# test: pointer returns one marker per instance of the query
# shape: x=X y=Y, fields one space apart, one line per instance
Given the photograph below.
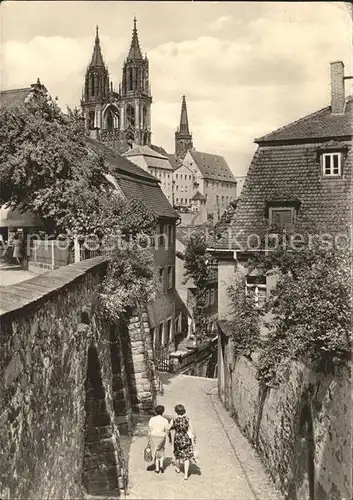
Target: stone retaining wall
x=199 y=362
x=302 y=429
x=69 y=385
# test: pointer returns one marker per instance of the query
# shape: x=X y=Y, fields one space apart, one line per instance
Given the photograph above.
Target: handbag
x=195 y=458
x=147 y=453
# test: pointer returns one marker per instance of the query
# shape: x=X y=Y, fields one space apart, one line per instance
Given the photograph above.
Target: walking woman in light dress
x=184 y=438
x=17 y=249
x=158 y=430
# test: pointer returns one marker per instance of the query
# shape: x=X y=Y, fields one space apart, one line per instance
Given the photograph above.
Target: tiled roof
x=123 y=165
x=318 y=125
x=14 y=97
x=174 y=161
x=159 y=150
x=134 y=181
x=198 y=196
x=150 y=193
x=144 y=151
x=212 y=166
x=291 y=171
x=152 y=158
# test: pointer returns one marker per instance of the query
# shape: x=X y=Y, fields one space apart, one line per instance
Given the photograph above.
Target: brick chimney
x=337 y=87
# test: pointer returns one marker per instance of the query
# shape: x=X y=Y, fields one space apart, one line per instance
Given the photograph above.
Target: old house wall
x=302 y=429
x=65 y=387
x=226 y=270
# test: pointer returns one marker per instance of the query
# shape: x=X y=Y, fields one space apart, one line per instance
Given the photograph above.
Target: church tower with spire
x=135 y=96
x=97 y=91
x=183 y=137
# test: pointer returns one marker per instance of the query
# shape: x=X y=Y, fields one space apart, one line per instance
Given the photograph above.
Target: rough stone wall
x=140 y=369
x=302 y=429
x=69 y=384
x=43 y=350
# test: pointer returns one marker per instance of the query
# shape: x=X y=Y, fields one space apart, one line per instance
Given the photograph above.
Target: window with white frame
x=331 y=164
x=255 y=288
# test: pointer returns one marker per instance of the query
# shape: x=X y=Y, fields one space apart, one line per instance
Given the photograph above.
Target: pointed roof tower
x=183 y=137
x=184 y=122
x=135 y=51
x=97 y=58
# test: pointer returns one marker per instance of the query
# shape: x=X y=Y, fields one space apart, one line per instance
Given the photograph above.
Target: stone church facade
x=119 y=119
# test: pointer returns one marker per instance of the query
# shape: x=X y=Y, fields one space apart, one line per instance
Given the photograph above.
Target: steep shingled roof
x=152 y=158
x=159 y=150
x=174 y=161
x=14 y=97
x=151 y=194
x=287 y=167
x=117 y=160
x=145 y=151
x=134 y=181
x=212 y=166
x=291 y=171
x=318 y=125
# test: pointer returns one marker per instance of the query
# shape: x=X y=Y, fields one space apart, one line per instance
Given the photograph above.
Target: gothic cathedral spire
x=183 y=138
x=135 y=51
x=96 y=89
x=122 y=119
x=136 y=96
x=97 y=58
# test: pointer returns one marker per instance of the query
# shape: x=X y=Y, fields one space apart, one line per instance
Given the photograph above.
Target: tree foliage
x=46 y=167
x=310 y=310
x=245 y=319
x=197 y=267
x=197 y=259
x=225 y=219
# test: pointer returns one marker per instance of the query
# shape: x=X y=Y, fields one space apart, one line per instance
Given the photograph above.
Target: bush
x=310 y=310
x=245 y=322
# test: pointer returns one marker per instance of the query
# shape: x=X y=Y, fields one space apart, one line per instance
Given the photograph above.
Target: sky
x=246 y=68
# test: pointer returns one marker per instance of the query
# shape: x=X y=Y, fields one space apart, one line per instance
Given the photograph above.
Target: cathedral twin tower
x=119 y=119
x=123 y=119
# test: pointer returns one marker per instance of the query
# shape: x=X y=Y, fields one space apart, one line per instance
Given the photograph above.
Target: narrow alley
x=229 y=467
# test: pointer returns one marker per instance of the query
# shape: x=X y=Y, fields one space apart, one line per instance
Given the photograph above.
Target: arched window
x=144 y=116
x=91 y=120
x=92 y=84
x=111 y=118
x=110 y=121
x=129 y=79
x=130 y=116
x=145 y=139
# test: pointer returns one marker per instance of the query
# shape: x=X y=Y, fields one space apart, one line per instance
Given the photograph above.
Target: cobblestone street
x=229 y=467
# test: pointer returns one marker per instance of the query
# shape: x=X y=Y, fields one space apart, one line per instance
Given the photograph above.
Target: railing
x=162 y=358
x=46 y=255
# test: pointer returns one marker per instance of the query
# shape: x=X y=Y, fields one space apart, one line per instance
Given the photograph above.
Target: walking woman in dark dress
x=184 y=438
